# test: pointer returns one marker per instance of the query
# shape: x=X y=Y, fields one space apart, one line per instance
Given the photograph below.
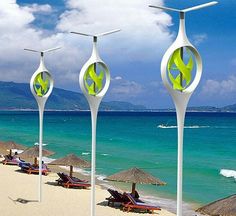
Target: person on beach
x=136 y=195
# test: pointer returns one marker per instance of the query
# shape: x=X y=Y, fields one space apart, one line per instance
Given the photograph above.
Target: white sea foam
x=104 y=154
x=228 y=173
x=85 y=153
x=17 y=150
x=78 y=170
x=174 y=126
x=82 y=171
x=44 y=144
x=101 y=178
x=47 y=160
x=170 y=205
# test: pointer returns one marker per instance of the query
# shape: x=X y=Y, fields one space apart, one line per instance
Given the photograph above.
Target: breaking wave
x=174 y=126
x=85 y=153
x=228 y=173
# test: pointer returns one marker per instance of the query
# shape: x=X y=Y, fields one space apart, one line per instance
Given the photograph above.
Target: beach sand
x=56 y=200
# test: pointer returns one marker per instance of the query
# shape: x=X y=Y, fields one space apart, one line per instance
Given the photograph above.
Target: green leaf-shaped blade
x=176 y=63
x=97 y=84
x=41 y=86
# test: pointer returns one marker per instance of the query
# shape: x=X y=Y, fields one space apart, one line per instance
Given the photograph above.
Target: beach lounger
x=11 y=161
x=132 y=204
x=116 y=197
x=69 y=182
x=63 y=179
x=24 y=166
x=31 y=169
x=36 y=171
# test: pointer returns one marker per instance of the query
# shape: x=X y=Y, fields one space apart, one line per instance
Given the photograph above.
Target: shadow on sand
x=22 y=201
x=119 y=206
x=104 y=203
x=52 y=183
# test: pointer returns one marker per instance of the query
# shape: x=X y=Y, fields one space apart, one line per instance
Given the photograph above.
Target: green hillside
x=18 y=96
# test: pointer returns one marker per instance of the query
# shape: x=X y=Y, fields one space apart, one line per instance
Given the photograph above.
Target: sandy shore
x=57 y=201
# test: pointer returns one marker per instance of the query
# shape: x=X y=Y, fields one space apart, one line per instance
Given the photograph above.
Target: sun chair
x=31 y=169
x=132 y=204
x=8 y=157
x=8 y=162
x=11 y=161
x=63 y=179
x=116 y=197
x=22 y=164
x=69 y=182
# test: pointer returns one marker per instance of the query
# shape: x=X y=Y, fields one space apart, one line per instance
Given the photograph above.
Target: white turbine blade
x=52 y=49
x=84 y=34
x=31 y=50
x=200 y=6
x=165 y=8
x=107 y=33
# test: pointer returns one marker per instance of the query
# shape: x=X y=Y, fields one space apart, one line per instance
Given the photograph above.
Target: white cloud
x=150 y=94
x=220 y=88
x=17 y=33
x=121 y=88
x=199 y=38
x=36 y=8
x=117 y=78
x=144 y=37
x=144 y=34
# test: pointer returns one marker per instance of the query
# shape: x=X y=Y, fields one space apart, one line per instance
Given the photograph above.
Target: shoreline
x=19 y=194
x=123 y=111
x=167 y=203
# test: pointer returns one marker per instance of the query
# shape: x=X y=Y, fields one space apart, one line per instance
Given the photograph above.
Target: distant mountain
x=204 y=109
x=17 y=96
x=229 y=108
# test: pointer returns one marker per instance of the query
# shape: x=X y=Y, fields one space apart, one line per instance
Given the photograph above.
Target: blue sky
x=133 y=55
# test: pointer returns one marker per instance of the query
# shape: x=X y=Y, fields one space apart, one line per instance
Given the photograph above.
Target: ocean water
x=145 y=140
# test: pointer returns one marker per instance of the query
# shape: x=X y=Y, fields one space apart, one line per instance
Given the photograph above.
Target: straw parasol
x=222 y=207
x=9 y=145
x=33 y=152
x=71 y=160
x=135 y=176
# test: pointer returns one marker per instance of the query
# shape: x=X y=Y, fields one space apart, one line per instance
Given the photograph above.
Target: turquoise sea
x=146 y=140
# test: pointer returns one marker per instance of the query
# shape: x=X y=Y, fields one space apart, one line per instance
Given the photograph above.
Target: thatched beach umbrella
x=222 y=207
x=33 y=152
x=71 y=160
x=9 y=145
x=3 y=150
x=135 y=176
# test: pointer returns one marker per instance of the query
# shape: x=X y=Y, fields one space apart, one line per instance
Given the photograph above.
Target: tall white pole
x=94 y=112
x=41 y=88
x=41 y=110
x=181 y=86
x=180 y=112
x=94 y=105
x=94 y=70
